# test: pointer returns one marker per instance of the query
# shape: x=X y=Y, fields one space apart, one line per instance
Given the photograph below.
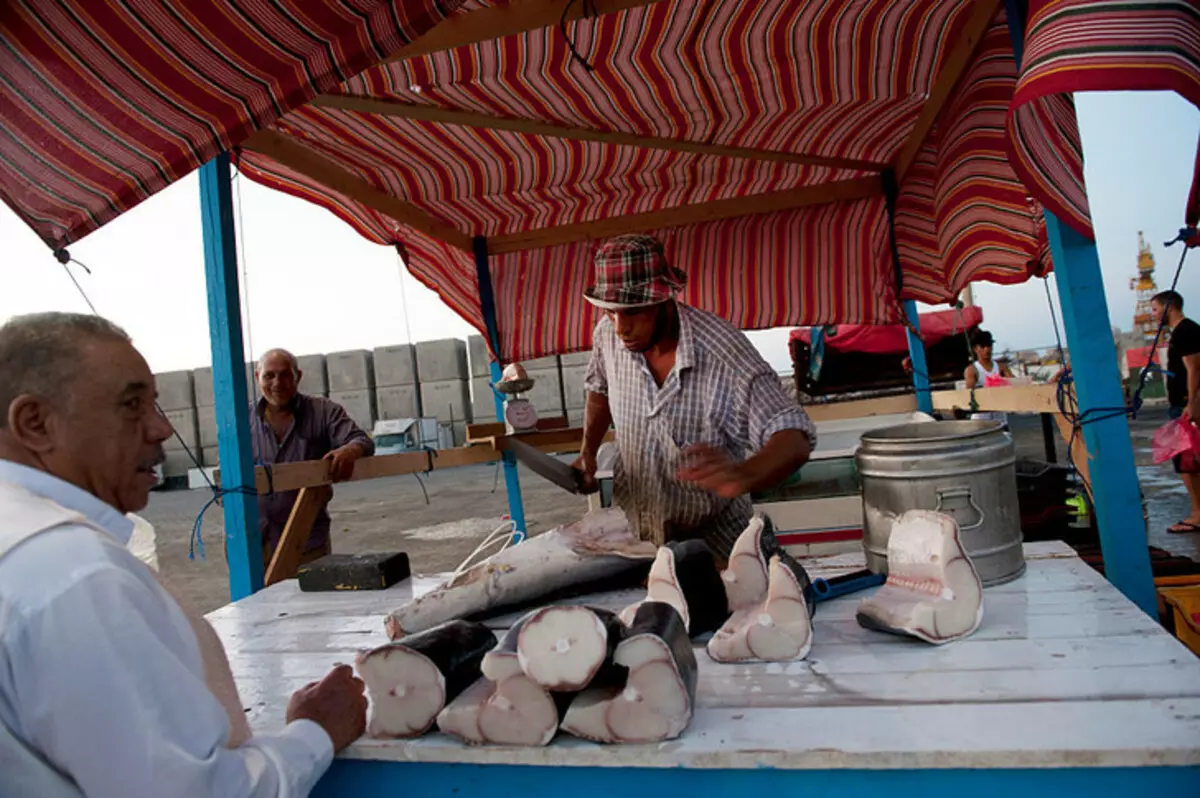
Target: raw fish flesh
x=746 y=575
x=598 y=552
x=656 y=700
x=408 y=683
x=776 y=629
x=566 y=648
x=685 y=575
x=932 y=591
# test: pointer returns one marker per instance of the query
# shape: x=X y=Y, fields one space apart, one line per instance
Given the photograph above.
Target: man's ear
x=31 y=423
x=299 y=376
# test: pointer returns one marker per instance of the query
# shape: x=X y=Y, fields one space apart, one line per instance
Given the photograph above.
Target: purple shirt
x=318 y=427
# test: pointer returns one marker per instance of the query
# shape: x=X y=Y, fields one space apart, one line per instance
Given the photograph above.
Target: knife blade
x=553 y=469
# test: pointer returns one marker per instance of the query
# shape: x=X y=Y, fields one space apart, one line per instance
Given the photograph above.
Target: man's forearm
x=778 y=459
x=597 y=418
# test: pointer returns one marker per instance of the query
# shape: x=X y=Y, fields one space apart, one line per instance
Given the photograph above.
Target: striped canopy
x=764 y=140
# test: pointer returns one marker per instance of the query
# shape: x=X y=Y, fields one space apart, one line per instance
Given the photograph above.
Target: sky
x=312 y=284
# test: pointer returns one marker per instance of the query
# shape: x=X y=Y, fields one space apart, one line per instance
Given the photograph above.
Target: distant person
x=1183 y=387
x=983 y=371
x=288 y=427
x=109 y=686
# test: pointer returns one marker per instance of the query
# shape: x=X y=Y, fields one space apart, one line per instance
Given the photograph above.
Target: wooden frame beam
x=312 y=164
x=861 y=188
x=509 y=19
x=425 y=113
x=956 y=64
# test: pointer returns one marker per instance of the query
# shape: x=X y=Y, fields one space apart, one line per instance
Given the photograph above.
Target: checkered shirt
x=721 y=392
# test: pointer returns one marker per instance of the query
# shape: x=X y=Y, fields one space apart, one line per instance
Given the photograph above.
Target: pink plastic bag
x=995 y=381
x=1178 y=436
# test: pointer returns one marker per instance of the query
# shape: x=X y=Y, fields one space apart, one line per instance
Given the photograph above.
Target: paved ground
x=466 y=504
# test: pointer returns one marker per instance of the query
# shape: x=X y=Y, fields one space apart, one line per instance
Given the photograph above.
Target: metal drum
x=962 y=468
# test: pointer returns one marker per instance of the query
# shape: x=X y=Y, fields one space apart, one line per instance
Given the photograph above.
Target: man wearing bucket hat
x=701 y=419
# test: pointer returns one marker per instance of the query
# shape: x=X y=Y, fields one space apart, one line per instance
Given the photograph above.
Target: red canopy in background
x=890 y=339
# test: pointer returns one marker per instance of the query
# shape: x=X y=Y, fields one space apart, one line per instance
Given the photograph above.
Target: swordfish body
x=598 y=552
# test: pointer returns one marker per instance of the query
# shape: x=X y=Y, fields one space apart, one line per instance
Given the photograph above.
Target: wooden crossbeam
x=312 y=164
x=506 y=19
x=861 y=188
x=425 y=113
x=286 y=559
x=955 y=65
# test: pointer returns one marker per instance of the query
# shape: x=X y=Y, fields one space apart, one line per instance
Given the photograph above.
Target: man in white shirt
x=108 y=687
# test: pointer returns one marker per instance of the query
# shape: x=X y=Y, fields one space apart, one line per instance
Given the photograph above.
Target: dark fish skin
x=663 y=621
x=610 y=673
x=867 y=622
x=769 y=546
x=633 y=576
x=456 y=648
x=700 y=582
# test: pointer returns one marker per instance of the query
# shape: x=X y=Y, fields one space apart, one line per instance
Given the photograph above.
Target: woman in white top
x=976 y=374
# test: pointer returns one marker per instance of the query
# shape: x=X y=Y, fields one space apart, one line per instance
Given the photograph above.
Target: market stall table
x=1066 y=687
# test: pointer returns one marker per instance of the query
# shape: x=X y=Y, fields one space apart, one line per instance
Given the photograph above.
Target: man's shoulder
x=51 y=563
x=716 y=338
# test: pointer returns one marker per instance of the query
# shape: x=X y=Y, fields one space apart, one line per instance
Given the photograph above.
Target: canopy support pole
x=916 y=355
x=487 y=305
x=1114 y=481
x=243 y=545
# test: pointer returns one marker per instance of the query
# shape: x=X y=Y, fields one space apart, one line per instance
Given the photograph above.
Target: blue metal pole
x=487 y=304
x=242 y=542
x=1115 y=490
x=916 y=353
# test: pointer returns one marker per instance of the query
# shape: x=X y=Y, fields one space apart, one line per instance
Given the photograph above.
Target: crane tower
x=1143 y=317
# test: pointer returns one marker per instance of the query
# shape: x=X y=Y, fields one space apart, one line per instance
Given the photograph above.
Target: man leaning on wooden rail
x=288 y=426
x=109 y=685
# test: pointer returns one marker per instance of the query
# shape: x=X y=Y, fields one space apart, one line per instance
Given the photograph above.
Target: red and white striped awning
x=752 y=135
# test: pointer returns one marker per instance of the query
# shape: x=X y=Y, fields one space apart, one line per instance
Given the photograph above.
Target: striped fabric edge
x=104 y=104
x=732 y=268
x=963 y=215
x=1083 y=45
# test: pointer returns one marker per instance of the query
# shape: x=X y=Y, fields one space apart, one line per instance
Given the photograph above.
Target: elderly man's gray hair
x=286 y=355
x=40 y=352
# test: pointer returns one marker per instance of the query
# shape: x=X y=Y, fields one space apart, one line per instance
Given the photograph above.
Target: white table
x=1066 y=688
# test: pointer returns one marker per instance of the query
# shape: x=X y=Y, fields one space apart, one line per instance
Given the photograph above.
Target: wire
x=511 y=537
x=404 y=300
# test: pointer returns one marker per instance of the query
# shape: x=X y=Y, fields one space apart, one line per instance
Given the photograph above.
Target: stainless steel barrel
x=962 y=468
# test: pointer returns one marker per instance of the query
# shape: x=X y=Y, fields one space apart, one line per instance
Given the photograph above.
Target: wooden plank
x=483 y=433
x=956 y=64
x=425 y=113
x=294 y=155
x=286 y=560
x=861 y=408
x=1073 y=437
x=310 y=473
x=1008 y=399
x=860 y=188
x=506 y=19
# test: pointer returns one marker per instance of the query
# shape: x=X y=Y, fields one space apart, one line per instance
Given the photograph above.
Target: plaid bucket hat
x=631 y=271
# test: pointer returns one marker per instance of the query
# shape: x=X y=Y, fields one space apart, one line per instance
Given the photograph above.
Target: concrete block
x=460 y=433
x=206 y=420
x=541 y=364
x=352 y=370
x=183 y=422
x=483 y=405
x=177 y=464
x=442 y=361
x=572 y=382
x=359 y=405
x=546 y=393
x=575 y=359
x=395 y=365
x=210 y=457
x=447 y=400
x=175 y=390
x=480 y=359
x=314 y=380
x=202 y=381
x=397 y=401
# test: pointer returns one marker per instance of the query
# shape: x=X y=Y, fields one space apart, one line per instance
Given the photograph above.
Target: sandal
x=1183 y=527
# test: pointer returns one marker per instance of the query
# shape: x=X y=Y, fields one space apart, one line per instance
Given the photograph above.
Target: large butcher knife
x=553 y=469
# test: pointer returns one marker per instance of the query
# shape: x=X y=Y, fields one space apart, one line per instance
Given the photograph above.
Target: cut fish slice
x=409 y=683
x=933 y=591
x=564 y=648
x=502 y=661
x=777 y=629
x=514 y=712
x=746 y=576
x=658 y=695
x=685 y=575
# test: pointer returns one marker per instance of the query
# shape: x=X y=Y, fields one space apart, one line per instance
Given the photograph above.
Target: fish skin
x=686 y=575
x=576 y=559
x=768 y=631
